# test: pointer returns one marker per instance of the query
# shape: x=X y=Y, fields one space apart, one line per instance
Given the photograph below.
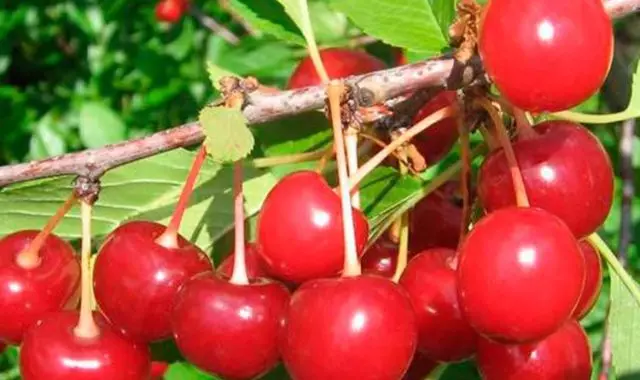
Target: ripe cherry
x=51 y=350
x=27 y=294
x=380 y=258
x=535 y=68
x=230 y=330
x=170 y=11
x=254 y=265
x=158 y=370
x=563 y=355
x=509 y=280
x=435 y=221
x=300 y=235
x=338 y=62
x=557 y=176
x=136 y=279
x=421 y=366
x=349 y=328
x=443 y=332
x=437 y=140
x=592 y=282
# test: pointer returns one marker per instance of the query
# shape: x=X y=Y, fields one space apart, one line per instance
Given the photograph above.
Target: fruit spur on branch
x=495 y=265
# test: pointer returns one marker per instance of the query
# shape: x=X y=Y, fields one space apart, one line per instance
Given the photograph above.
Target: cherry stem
x=169 y=238
x=351 y=263
x=489 y=138
x=239 y=275
x=30 y=257
x=525 y=130
x=402 y=224
x=616 y=265
x=464 y=177
x=377 y=159
x=86 y=327
x=516 y=175
x=351 y=144
x=382 y=144
x=403 y=247
x=266 y=162
x=328 y=153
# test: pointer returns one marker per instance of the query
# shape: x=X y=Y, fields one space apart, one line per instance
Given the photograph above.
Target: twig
x=213 y=25
x=261 y=107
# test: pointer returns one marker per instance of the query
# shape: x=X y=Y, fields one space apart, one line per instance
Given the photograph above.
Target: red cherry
x=592 y=282
x=230 y=330
x=136 y=279
x=443 y=332
x=170 y=11
x=380 y=259
x=300 y=235
x=158 y=370
x=557 y=175
x=254 y=264
x=338 y=62
x=535 y=67
x=28 y=294
x=437 y=140
x=520 y=274
x=563 y=355
x=435 y=221
x=421 y=366
x=3 y=346
x=349 y=328
x=51 y=350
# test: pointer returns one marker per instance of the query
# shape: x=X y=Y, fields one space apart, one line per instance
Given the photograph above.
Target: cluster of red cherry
x=171 y=11
x=510 y=293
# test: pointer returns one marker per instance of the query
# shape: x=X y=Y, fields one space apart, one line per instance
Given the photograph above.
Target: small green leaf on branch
x=227 y=136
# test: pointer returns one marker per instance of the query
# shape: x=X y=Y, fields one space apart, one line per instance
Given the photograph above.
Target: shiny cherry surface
x=421 y=366
x=437 y=140
x=566 y=171
x=253 y=263
x=563 y=355
x=520 y=274
x=52 y=351
x=28 y=294
x=592 y=281
x=136 y=279
x=230 y=330
x=535 y=67
x=300 y=234
x=170 y=11
x=380 y=258
x=338 y=62
x=443 y=332
x=158 y=370
x=435 y=220
x=349 y=328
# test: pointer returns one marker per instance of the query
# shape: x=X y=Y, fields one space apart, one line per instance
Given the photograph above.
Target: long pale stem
x=403 y=247
x=465 y=177
x=266 y=162
x=351 y=262
x=239 y=275
x=351 y=143
x=377 y=159
x=615 y=265
x=30 y=257
x=516 y=175
x=86 y=327
x=169 y=237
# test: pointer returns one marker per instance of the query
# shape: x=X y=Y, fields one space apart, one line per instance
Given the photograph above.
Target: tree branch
x=372 y=88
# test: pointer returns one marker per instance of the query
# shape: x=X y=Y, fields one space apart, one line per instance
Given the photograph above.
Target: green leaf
x=216 y=73
x=410 y=24
x=269 y=17
x=185 y=371
x=624 y=321
x=146 y=189
x=445 y=12
x=227 y=136
x=100 y=125
x=46 y=141
x=298 y=10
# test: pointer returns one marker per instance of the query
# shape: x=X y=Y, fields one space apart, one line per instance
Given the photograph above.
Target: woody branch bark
x=265 y=106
